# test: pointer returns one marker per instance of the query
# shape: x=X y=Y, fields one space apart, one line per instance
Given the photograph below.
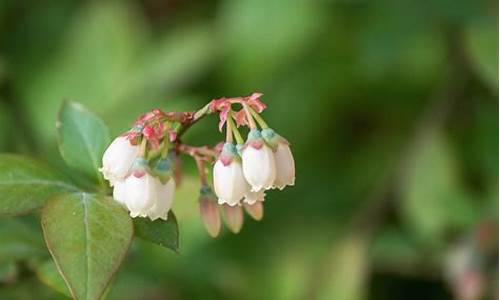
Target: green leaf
x=346 y=270
x=48 y=274
x=83 y=137
x=160 y=232
x=433 y=198
x=19 y=240
x=481 y=42
x=25 y=184
x=88 y=236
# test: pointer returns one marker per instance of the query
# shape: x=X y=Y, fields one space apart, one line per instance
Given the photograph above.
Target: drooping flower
x=285 y=164
x=118 y=159
x=209 y=211
x=164 y=200
x=252 y=197
x=229 y=183
x=138 y=194
x=143 y=194
x=258 y=162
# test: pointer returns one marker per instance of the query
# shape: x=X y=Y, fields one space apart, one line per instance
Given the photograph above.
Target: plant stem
x=236 y=132
x=259 y=119
x=229 y=129
x=200 y=164
x=251 y=121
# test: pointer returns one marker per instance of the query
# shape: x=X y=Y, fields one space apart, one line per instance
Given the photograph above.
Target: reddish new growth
x=159 y=128
x=223 y=106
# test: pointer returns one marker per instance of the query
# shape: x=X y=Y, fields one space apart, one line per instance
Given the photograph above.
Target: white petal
x=118 y=159
x=259 y=167
x=141 y=194
x=120 y=192
x=163 y=202
x=252 y=197
x=285 y=166
x=229 y=184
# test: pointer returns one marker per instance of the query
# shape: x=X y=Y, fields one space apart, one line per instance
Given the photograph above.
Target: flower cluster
x=140 y=165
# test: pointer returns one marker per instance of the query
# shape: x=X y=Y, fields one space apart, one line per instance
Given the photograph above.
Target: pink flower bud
x=209 y=211
x=256 y=210
x=118 y=159
x=234 y=217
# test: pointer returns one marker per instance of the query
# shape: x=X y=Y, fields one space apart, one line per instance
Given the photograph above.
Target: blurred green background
x=391 y=108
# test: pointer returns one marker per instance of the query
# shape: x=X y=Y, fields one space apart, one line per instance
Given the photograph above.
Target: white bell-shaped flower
x=164 y=200
x=258 y=162
x=285 y=164
x=139 y=195
x=118 y=159
x=230 y=185
x=252 y=197
x=120 y=192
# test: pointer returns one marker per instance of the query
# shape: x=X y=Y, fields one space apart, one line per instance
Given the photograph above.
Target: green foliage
x=99 y=233
x=160 y=232
x=430 y=187
x=47 y=273
x=25 y=184
x=346 y=82
x=83 y=137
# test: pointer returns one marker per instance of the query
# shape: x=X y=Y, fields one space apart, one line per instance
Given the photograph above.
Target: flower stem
x=251 y=121
x=143 y=147
x=229 y=129
x=200 y=164
x=259 y=119
x=236 y=132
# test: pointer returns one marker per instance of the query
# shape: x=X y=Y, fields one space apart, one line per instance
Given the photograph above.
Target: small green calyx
x=229 y=149
x=163 y=170
x=254 y=134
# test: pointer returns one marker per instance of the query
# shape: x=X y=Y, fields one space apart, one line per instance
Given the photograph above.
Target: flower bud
x=285 y=164
x=255 y=210
x=209 y=210
x=229 y=183
x=234 y=217
x=117 y=159
x=258 y=162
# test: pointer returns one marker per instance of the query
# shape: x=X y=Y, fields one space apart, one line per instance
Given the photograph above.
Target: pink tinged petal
x=223 y=116
x=152 y=135
x=241 y=118
x=259 y=167
x=256 y=210
x=256 y=144
x=165 y=197
x=234 y=217
x=229 y=184
x=118 y=159
x=255 y=102
x=209 y=211
x=285 y=166
x=172 y=135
